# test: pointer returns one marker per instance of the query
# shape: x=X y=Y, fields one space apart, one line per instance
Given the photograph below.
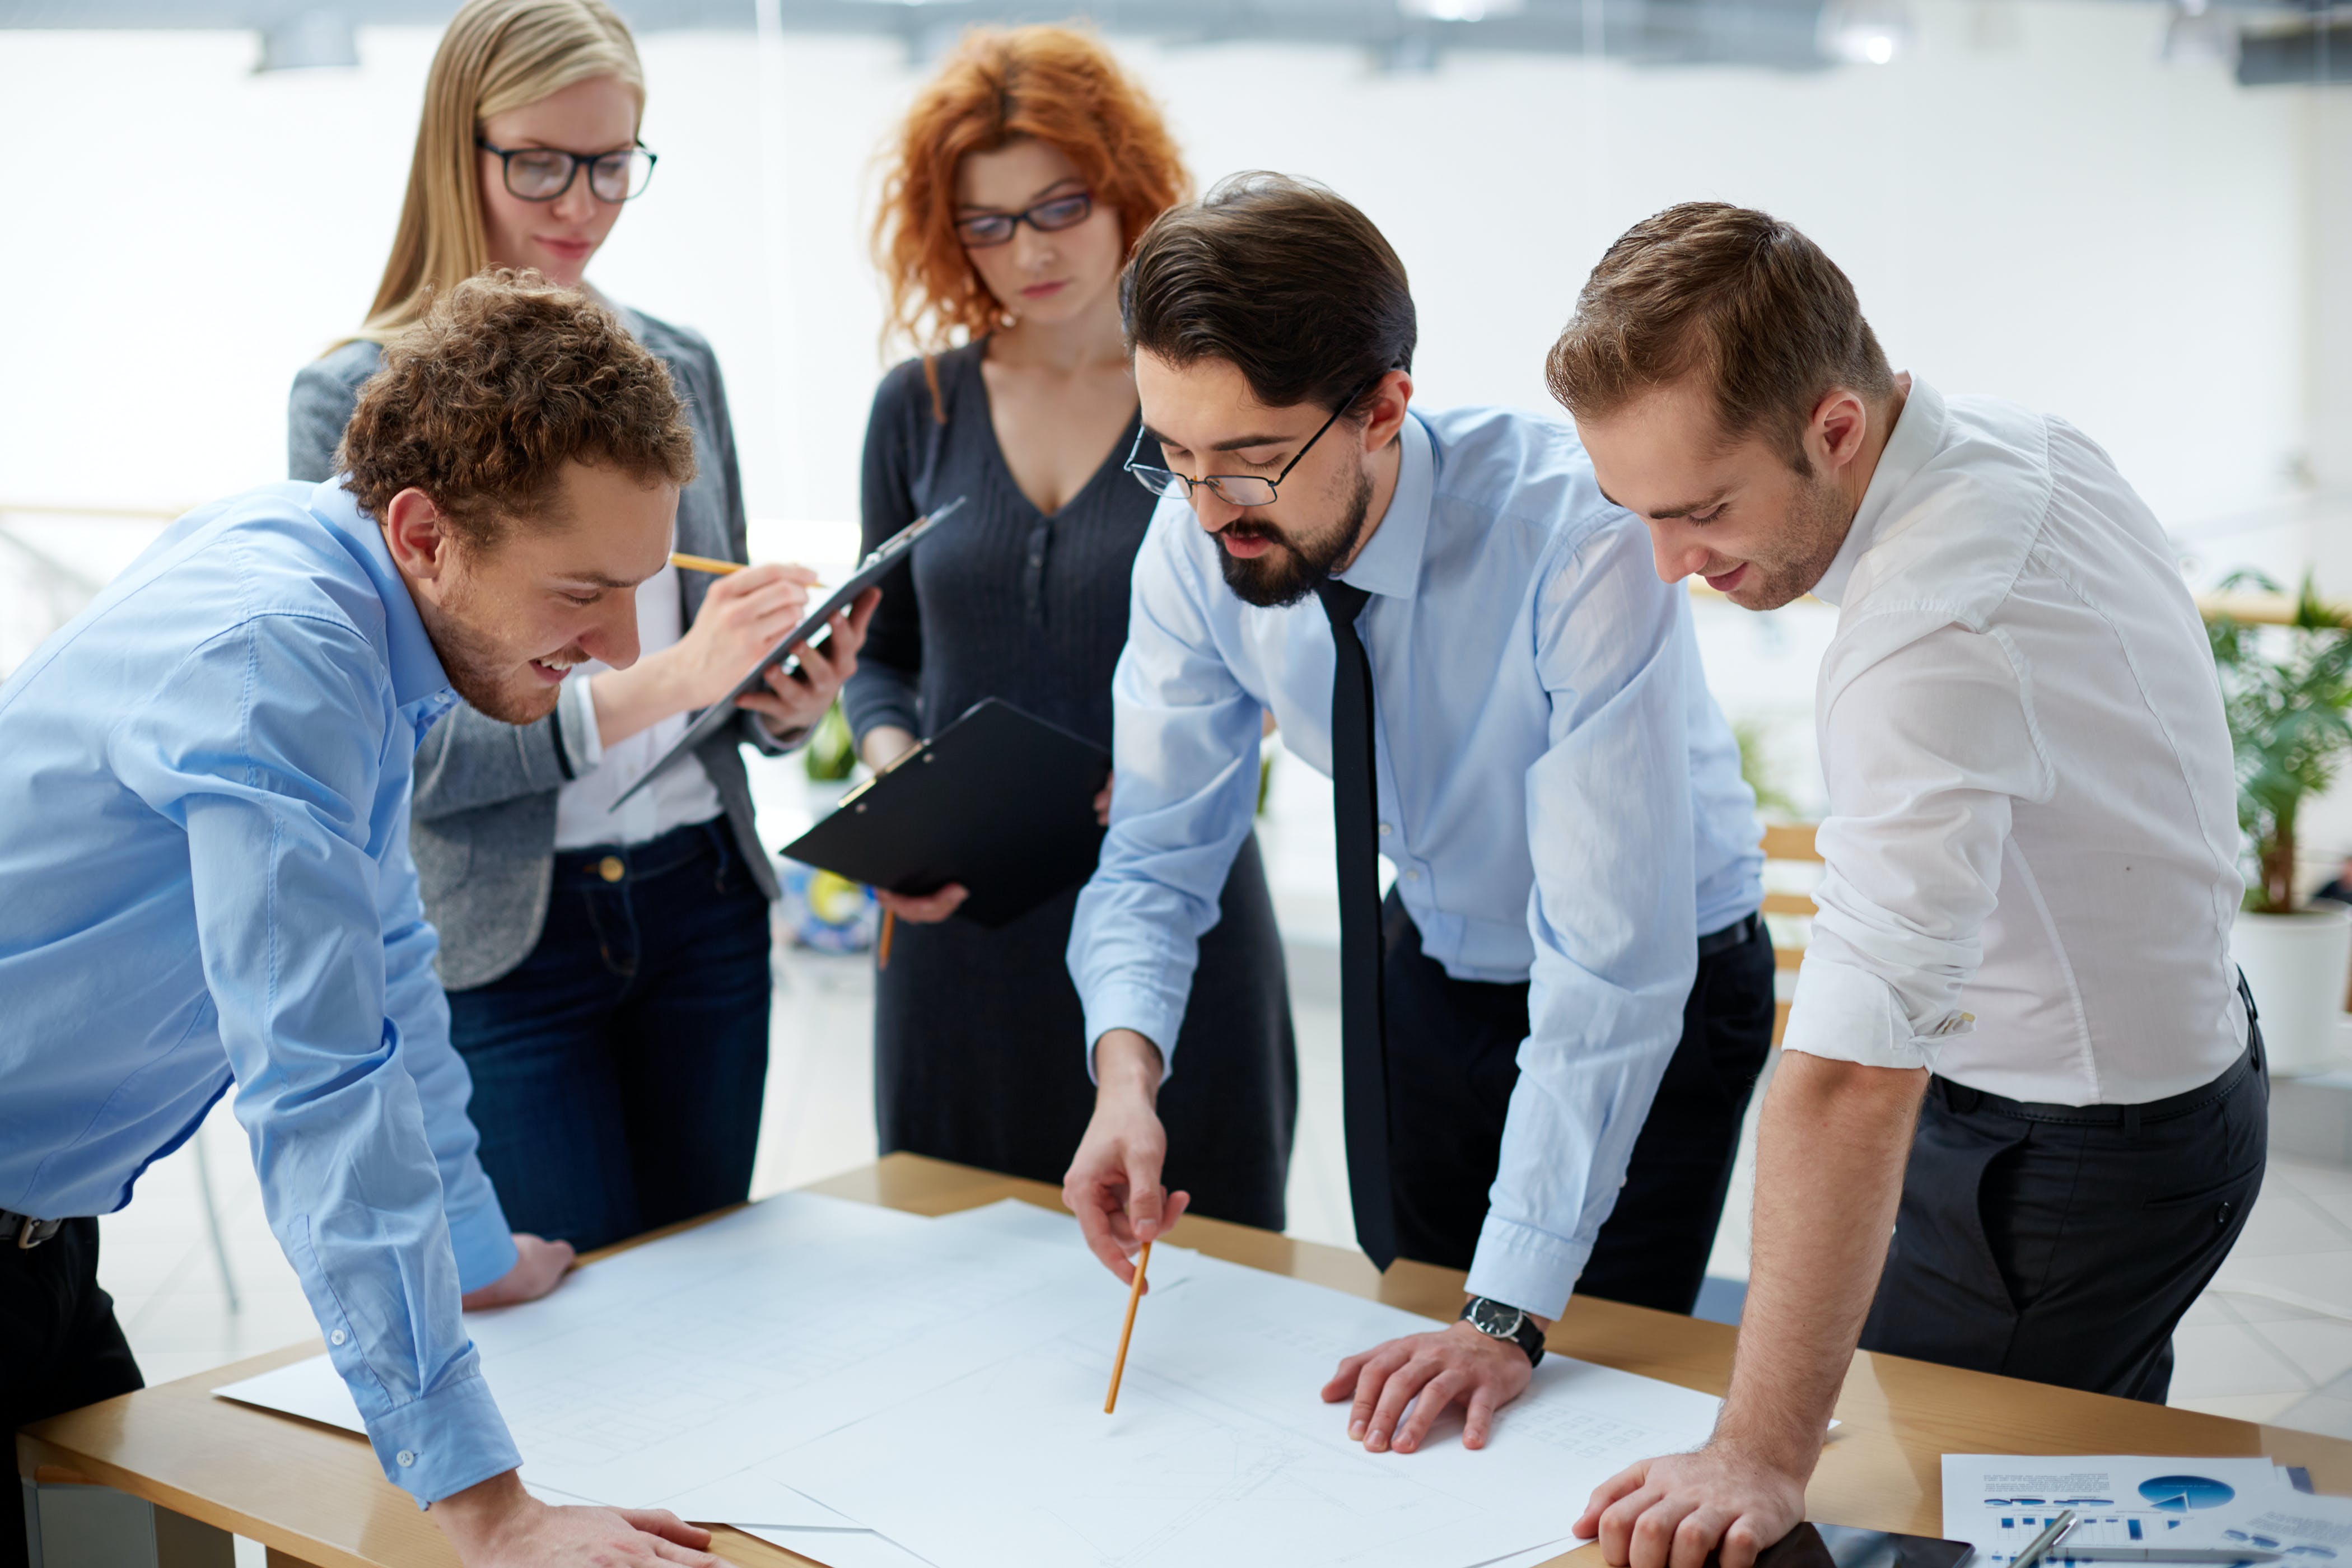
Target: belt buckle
x=31 y=1232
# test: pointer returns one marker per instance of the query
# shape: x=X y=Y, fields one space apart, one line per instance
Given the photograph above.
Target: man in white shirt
x=2030 y=864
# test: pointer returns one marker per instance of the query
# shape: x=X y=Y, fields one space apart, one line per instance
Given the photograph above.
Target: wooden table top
x=314 y=1494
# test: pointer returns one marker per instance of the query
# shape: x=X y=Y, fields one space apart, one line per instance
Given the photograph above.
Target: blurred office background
x=2134 y=213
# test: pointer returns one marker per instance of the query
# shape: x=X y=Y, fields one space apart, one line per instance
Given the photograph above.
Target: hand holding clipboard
x=814 y=627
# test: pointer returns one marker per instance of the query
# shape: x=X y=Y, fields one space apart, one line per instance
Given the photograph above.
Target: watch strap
x=1528 y=1337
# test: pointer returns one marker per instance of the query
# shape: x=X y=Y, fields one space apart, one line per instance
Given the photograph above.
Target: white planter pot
x=2296 y=966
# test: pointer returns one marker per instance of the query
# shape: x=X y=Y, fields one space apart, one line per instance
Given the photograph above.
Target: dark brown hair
x=1279 y=278
x=1059 y=85
x=1734 y=294
x=505 y=380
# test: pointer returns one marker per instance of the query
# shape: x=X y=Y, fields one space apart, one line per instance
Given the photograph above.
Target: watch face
x=1496 y=1318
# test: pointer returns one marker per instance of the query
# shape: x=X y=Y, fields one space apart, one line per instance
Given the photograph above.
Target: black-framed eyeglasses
x=1052 y=215
x=543 y=174
x=1234 y=490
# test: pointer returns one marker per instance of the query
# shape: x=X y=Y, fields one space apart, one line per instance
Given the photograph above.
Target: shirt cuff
x=483 y=1244
x=1522 y=1266
x=1128 y=1006
x=583 y=747
x=1849 y=1015
x=437 y=1445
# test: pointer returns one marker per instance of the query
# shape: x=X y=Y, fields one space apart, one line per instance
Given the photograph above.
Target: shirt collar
x=1391 y=561
x=1917 y=436
x=417 y=673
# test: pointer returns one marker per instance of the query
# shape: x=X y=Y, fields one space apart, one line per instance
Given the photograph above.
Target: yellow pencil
x=1134 y=1295
x=716 y=568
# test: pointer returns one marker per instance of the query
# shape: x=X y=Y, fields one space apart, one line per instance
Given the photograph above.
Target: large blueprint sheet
x=1221 y=1450
x=881 y=1390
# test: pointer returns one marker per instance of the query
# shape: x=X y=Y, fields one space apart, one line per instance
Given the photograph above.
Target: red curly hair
x=1058 y=85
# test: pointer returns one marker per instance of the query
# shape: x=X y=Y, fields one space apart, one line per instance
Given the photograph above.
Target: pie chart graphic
x=2180 y=1494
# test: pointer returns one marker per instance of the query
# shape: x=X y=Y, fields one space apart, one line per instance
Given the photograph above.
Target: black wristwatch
x=1498 y=1322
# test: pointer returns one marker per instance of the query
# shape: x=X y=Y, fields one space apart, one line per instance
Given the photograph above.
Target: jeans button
x=2222 y=1214
x=611 y=869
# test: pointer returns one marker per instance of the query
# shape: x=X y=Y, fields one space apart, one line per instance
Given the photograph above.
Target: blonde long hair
x=498 y=54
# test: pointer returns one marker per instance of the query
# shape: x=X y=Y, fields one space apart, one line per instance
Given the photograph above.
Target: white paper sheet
x=1221 y=1450
x=839 y=1548
x=2308 y=1529
x=1999 y=1502
x=1056 y=1228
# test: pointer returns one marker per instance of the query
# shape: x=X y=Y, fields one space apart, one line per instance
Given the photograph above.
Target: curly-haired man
x=204 y=785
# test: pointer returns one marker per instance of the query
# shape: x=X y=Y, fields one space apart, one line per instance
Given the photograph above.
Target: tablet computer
x=814 y=627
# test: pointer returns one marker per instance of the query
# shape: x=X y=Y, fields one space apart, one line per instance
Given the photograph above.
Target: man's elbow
x=1837 y=1090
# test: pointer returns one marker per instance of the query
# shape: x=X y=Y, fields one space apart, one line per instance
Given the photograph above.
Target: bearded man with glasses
x=1552 y=1023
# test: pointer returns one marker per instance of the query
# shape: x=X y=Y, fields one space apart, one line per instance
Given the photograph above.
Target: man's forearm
x=1832 y=1146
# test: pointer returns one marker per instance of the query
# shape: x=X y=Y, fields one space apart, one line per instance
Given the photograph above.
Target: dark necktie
x=1363 y=1026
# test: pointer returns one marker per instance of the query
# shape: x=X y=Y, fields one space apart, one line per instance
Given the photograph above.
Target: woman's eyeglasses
x=1052 y=215
x=543 y=174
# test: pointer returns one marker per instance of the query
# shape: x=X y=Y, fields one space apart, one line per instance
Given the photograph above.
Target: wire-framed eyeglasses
x=1234 y=490
x=983 y=230
x=543 y=174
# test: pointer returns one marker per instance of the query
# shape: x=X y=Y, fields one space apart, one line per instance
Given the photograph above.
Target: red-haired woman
x=1022 y=175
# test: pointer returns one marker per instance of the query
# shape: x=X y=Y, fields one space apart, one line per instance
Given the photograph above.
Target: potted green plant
x=2286 y=690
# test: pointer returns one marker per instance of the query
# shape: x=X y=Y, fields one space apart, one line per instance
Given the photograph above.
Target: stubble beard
x=472 y=663
x=1819 y=517
x=1289 y=571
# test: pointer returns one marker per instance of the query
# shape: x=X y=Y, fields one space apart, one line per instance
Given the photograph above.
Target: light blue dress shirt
x=204 y=845
x=1558 y=793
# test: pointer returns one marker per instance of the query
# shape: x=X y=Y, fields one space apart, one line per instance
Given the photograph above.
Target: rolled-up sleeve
x=1613 y=913
x=1926 y=750
x=318 y=1003
x=1185 y=752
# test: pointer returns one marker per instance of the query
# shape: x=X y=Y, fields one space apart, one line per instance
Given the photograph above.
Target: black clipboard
x=1000 y=800
x=877 y=564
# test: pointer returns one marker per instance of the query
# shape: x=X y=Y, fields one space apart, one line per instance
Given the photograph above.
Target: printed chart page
x=1222 y=1451
x=1999 y=1502
x=2307 y=1532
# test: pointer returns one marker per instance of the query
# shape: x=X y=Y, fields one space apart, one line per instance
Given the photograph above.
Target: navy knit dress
x=979 y=1042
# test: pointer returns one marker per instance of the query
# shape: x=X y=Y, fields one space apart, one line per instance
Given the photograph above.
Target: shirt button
x=611 y=869
x=1384 y=828
x=1412 y=876
x=405 y=1456
x=338 y=1337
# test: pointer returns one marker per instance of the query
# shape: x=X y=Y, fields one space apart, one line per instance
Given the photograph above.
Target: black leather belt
x=1730 y=936
x=26 y=1231
x=1963 y=1100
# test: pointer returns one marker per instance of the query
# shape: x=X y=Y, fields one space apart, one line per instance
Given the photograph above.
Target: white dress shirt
x=1558 y=793
x=2032 y=838
x=584 y=807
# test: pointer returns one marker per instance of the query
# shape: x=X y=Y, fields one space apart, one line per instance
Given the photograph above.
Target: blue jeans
x=618 y=1069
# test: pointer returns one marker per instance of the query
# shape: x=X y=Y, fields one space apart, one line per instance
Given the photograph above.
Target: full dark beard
x=1288 y=573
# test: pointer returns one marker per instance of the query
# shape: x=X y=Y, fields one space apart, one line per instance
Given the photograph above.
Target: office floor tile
x=2229 y=1359
x=2245 y=1407
x=2321 y=1412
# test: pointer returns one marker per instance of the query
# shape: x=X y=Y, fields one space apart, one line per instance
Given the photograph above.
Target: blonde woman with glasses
x=607 y=969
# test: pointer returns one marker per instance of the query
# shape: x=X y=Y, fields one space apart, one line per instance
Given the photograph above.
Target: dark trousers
x=1452 y=1049
x=618 y=1069
x=2062 y=1244
x=64 y=1349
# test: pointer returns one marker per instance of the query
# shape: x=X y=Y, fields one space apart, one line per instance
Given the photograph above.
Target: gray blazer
x=483 y=827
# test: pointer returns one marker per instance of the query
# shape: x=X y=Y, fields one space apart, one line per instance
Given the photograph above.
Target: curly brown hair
x=504 y=380
x=1058 y=85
